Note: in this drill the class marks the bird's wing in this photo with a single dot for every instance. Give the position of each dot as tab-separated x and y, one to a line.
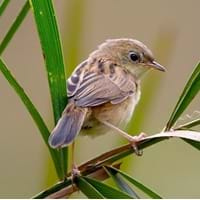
95	88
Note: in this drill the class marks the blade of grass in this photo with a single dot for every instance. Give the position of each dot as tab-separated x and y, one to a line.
189	125
107	191
50	42
3	6
139	185
195	144
66	190
53	189
33	112
190	91
87	189
17	22
120	183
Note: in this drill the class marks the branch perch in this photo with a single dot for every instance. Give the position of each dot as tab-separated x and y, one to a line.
94	168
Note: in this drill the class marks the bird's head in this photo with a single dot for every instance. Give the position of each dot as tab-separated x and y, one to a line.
131	54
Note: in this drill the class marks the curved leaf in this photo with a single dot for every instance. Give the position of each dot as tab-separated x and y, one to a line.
3	6
87	189
52	52
120	183
33	112
107	191
55	188
21	16
183	134
189	125
195	144
139	185
190	91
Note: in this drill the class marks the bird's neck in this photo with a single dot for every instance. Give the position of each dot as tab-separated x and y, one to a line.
138	72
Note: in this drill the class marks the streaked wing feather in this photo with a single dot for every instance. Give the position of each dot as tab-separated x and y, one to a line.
75	79
99	88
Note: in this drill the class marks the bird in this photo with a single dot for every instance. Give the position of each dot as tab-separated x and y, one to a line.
103	92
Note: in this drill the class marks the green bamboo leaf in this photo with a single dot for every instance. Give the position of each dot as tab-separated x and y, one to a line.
139	185
120	183
17	22
195	144
107	191
3	6
189	125
190	91
50	42
32	110
55	188
87	189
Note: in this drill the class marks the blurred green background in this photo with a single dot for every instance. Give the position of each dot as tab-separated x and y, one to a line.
170	28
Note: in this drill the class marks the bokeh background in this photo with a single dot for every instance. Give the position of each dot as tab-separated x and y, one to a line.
170	28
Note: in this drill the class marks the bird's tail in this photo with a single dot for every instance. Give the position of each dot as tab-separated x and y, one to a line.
68	126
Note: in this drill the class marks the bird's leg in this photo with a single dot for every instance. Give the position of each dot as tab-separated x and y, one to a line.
132	139
75	170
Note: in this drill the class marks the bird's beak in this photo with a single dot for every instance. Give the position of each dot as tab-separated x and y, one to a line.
157	66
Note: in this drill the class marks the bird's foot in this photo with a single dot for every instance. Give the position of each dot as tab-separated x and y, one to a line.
74	173
134	142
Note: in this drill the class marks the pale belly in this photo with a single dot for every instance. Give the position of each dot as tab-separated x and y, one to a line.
118	115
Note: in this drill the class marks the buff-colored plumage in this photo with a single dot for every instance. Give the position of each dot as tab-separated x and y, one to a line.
104	90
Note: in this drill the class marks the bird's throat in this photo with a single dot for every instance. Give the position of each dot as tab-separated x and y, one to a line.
138	71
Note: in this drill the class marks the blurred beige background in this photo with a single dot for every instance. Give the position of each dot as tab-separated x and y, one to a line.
171	168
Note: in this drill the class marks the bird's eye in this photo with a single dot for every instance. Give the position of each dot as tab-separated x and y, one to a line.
134	56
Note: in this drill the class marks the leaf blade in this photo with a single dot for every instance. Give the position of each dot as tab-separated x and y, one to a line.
120	183
191	89
55	188
32	110
139	185
47	27
183	134
107	191
189	125
17	22
88	189
50	43
3	6
193	143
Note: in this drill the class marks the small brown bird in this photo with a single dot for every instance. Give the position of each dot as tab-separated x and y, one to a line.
103	91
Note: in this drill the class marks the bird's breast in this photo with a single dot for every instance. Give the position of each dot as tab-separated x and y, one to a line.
117	114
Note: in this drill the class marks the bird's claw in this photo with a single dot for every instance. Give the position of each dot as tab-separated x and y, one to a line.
75	172
134	140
